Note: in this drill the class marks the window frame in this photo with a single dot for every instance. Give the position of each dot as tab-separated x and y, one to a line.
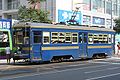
47	35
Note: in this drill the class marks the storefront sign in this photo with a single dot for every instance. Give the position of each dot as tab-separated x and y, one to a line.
5	24
98	21
64	16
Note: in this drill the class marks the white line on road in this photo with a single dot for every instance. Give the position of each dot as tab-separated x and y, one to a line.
103	76
55	71
102	70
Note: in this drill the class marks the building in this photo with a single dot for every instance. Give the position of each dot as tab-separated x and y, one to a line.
91	12
9	8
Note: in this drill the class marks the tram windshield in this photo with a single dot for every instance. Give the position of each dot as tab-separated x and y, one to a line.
21	36
4	39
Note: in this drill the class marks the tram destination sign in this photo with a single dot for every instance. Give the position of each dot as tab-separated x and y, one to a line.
5	24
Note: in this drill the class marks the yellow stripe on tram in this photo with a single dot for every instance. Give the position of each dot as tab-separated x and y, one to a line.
60	48
99	46
27	48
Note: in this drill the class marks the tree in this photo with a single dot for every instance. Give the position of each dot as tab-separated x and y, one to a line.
117	25
33	15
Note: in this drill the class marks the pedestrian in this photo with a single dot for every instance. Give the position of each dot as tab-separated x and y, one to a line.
118	48
8	54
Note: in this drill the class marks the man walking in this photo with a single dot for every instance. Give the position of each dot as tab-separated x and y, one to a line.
8	55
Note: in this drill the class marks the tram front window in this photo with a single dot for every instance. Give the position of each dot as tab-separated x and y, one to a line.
21	37
4	39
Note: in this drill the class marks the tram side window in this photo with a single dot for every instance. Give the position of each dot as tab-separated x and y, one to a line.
54	37
96	40
112	38
105	38
80	38
90	38
46	37
74	38
85	38
68	37
37	37
109	38
61	37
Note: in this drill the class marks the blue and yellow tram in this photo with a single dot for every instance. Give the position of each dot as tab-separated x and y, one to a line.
47	42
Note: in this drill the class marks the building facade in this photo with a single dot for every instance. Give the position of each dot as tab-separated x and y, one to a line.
91	12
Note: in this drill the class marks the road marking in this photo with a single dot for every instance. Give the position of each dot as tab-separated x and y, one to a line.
101	70
103	76
55	71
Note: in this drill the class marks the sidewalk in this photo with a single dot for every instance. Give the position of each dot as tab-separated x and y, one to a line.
4	66
4	61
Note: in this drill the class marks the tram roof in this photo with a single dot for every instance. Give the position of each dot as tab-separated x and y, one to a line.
44	25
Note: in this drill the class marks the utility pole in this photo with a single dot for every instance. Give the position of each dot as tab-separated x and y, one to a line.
111	16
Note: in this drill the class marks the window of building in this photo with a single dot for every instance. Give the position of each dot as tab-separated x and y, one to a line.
15	16
98	5
86	20
118	1
115	11
0	4
13	4
86	6
108	7
119	9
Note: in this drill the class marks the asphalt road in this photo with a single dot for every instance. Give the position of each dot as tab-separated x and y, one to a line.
102	69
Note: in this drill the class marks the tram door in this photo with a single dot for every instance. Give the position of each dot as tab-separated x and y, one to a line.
36	45
83	44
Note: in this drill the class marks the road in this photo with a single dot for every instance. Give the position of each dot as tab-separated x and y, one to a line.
100	69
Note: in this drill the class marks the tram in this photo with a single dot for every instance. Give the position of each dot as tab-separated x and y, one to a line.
5	37
38	42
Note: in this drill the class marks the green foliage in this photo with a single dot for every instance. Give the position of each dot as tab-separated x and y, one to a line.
117	25
32	15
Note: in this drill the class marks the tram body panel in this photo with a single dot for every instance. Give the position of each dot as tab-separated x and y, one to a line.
47	42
